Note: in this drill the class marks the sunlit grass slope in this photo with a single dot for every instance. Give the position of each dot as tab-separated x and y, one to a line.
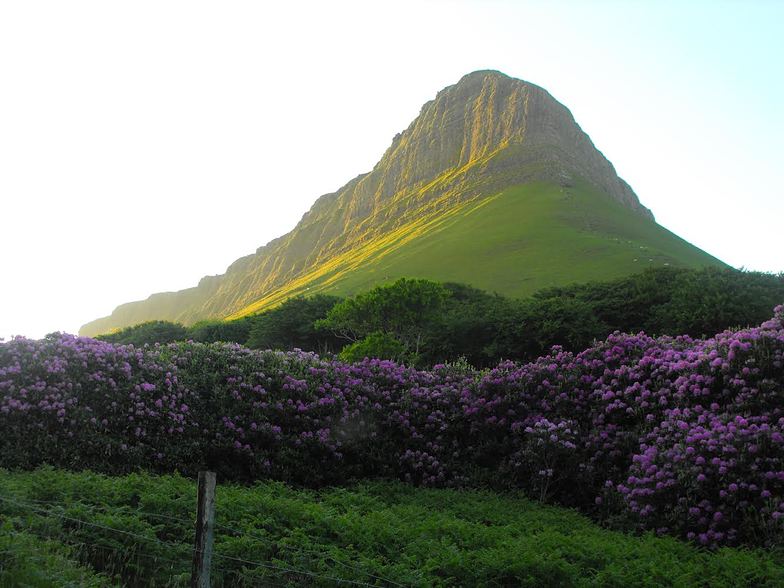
469	191
140	528
525	238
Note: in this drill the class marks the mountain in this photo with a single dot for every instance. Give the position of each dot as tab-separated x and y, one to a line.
493	184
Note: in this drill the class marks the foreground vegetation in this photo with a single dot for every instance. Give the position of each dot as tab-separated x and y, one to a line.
140	528
675	435
31	560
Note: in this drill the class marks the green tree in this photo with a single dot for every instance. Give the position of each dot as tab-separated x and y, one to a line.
236	331
532	326
624	304
711	300
147	333
673	301
468	327
404	310
376	345
292	325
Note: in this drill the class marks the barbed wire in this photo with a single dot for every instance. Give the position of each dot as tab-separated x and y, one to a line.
305	550
281	569
39	510
127	509
293	571
156	558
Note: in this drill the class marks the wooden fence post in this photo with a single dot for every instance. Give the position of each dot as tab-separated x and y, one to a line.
205	526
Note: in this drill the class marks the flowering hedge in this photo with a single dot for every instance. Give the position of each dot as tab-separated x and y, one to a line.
677	435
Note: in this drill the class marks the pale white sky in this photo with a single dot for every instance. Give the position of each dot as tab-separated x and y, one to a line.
145	144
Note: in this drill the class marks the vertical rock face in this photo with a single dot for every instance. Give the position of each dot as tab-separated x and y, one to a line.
485	113
466	122
479	136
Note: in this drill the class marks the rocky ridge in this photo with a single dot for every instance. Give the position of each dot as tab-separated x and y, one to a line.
485	133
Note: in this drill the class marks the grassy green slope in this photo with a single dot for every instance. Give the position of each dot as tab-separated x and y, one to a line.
376	534
525	238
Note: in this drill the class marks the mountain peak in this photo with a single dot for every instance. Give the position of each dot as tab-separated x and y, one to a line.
487	112
489	135
483	73
476	79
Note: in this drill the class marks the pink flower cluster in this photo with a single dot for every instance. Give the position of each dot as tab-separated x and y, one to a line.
675	435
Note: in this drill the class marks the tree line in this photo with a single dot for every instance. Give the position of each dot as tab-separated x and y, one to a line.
423	323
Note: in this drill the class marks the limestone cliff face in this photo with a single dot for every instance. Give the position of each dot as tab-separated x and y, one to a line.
482	115
485	133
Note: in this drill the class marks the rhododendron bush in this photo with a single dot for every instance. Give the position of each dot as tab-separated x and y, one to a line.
675	435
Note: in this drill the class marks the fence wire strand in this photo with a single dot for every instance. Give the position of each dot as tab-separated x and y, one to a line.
35	506
293	571
307	551
64	517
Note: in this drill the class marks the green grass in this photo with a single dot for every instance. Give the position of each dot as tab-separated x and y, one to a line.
525	238
140	528
30	561
534	236
519	240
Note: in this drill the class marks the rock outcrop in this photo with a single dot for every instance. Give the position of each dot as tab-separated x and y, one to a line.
485	133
